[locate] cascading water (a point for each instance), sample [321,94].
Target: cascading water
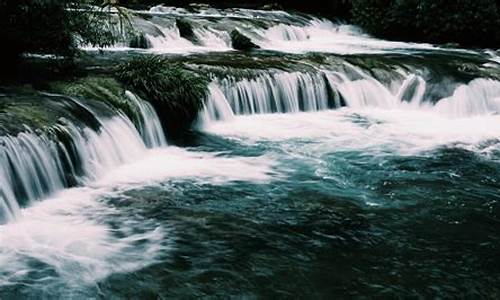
[34,165]
[270,93]
[303,164]
[271,30]
[283,92]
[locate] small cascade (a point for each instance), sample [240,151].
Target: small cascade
[216,106]
[150,126]
[170,39]
[271,30]
[479,97]
[412,90]
[212,38]
[290,92]
[278,92]
[34,165]
[287,33]
[362,92]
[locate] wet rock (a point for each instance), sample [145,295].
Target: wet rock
[242,42]
[199,5]
[272,6]
[186,30]
[451,45]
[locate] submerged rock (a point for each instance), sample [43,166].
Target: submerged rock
[242,42]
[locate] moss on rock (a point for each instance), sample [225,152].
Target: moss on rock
[99,88]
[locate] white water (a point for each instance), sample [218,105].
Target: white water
[70,235]
[32,165]
[267,93]
[294,92]
[150,127]
[325,36]
[271,30]
[380,117]
[74,238]
[375,130]
[171,41]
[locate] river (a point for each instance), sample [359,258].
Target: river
[366,169]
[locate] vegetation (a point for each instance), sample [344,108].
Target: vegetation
[99,88]
[56,27]
[467,22]
[176,93]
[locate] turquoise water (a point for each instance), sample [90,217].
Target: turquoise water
[306,209]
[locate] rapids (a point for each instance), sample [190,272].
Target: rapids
[325,164]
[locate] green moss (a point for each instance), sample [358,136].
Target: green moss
[176,93]
[103,89]
[23,109]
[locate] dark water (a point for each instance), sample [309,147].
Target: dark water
[333,218]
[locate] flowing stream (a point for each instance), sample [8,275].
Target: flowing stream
[332,165]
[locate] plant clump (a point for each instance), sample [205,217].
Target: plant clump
[177,94]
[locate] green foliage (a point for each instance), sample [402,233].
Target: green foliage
[176,93]
[56,27]
[241,42]
[470,23]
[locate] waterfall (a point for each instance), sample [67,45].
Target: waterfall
[34,165]
[479,97]
[216,106]
[269,93]
[271,30]
[150,126]
[291,92]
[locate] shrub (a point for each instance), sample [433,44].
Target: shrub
[176,93]
[55,27]
[470,23]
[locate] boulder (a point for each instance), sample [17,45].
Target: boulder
[242,42]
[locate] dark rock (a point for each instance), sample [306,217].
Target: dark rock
[186,30]
[241,42]
[272,6]
[451,45]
